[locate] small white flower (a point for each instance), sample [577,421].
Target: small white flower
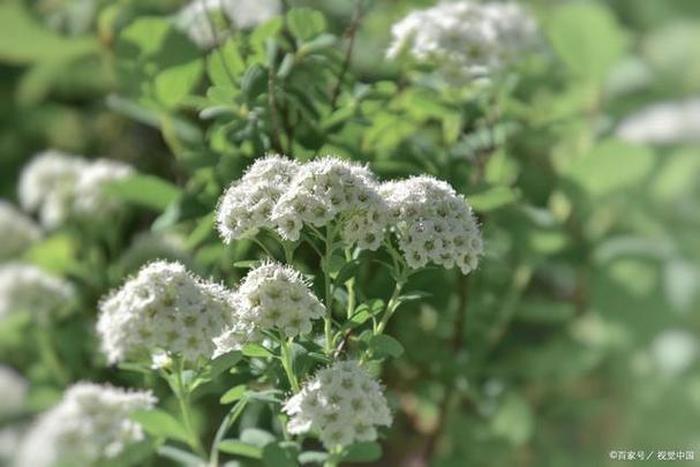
[13,388]
[246,14]
[271,297]
[663,123]
[47,186]
[342,404]
[465,39]
[433,224]
[18,231]
[246,206]
[24,287]
[90,199]
[89,425]
[674,351]
[203,22]
[332,190]
[163,308]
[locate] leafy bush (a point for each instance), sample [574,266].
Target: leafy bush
[336,233]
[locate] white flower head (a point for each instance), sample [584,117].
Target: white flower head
[90,424]
[271,297]
[163,308]
[342,404]
[90,199]
[47,186]
[246,206]
[334,190]
[13,388]
[18,231]
[245,14]
[663,123]
[203,22]
[465,39]
[433,223]
[25,287]
[674,351]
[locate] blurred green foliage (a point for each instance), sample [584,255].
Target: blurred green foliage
[542,357]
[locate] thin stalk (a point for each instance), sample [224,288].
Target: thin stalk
[48,354]
[350,285]
[183,396]
[328,292]
[391,307]
[287,364]
[226,423]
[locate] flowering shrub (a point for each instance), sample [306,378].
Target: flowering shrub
[391,233]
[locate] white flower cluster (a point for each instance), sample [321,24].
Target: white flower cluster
[433,223]
[58,185]
[331,189]
[204,21]
[247,205]
[163,308]
[465,39]
[271,297]
[663,123]
[343,404]
[47,185]
[24,287]
[90,200]
[13,388]
[89,425]
[18,231]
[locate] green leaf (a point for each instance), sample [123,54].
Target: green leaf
[363,452]
[233,446]
[24,40]
[223,363]
[233,394]
[610,166]
[254,82]
[257,437]
[493,198]
[313,457]
[55,253]
[274,455]
[348,271]
[256,350]
[305,23]
[677,176]
[144,190]
[160,424]
[587,38]
[383,345]
[180,456]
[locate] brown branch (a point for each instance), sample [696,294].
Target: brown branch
[349,34]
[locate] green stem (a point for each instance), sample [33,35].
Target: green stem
[391,307]
[350,285]
[183,395]
[287,364]
[48,354]
[226,423]
[328,288]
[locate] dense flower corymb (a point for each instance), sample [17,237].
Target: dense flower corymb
[464,39]
[271,297]
[433,224]
[343,404]
[24,287]
[205,23]
[18,231]
[163,308]
[47,185]
[331,189]
[89,425]
[663,123]
[90,199]
[247,205]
